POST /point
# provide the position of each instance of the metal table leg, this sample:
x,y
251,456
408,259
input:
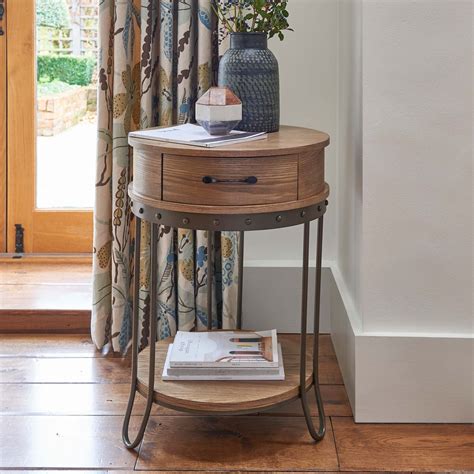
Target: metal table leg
x,y
241,280
153,331
317,435
210,276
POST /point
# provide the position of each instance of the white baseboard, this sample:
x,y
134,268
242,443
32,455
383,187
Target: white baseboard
x,y
401,378
345,326
414,379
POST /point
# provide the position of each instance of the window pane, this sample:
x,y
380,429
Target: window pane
x,y
66,32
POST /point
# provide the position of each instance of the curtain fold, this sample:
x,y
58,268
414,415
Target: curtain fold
x,y
156,58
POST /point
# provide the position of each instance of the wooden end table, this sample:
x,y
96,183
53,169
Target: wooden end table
x,y
266,184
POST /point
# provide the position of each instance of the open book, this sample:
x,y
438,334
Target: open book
x,y
195,135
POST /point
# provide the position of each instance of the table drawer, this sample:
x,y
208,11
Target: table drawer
x,y
230,181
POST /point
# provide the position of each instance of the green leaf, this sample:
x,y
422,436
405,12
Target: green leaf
x,y
70,69
52,14
266,16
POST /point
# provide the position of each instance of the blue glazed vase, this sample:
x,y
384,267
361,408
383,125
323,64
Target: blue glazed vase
x,y
250,70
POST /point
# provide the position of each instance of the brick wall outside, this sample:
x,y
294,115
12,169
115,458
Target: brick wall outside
x,y
59,112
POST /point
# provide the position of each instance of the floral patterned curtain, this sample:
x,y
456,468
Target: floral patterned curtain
x,y
156,58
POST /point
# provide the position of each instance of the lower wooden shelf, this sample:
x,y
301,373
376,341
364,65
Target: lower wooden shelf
x,y
225,396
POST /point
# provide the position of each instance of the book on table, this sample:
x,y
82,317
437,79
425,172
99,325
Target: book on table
x,y
224,355
231,373
195,135
225,349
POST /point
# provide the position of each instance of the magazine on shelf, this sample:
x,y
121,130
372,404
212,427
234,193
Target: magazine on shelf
x,y
195,135
223,371
231,373
225,349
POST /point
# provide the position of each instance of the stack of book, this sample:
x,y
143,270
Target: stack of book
x,y
224,355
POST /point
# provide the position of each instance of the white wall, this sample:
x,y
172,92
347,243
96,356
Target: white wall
x,y
308,89
417,173
391,82
404,334
346,300
349,148
409,194
308,68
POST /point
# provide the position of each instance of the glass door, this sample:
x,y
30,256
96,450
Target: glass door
x,y
51,124
3,129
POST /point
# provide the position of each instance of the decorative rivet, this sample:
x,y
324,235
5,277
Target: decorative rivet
x,y
185,220
248,221
158,216
326,202
279,218
216,222
140,210
303,213
319,208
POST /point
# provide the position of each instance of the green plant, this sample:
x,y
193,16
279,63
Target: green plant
x,y
52,14
69,69
245,16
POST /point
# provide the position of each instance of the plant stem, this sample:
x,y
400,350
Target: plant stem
x,y
267,16
221,16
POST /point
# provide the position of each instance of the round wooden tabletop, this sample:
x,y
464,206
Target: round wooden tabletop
x,y
287,140
282,174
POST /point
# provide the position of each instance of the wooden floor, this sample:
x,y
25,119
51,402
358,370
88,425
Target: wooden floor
x,y
62,405
45,286
58,296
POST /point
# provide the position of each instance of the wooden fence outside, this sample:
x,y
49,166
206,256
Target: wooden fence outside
x,y
82,36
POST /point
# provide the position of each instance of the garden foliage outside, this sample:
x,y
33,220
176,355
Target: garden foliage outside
x,y
58,71
66,63
65,68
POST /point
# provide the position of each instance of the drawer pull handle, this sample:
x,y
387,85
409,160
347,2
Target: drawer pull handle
x,y
211,180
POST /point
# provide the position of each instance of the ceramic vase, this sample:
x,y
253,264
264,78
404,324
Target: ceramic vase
x,y
250,70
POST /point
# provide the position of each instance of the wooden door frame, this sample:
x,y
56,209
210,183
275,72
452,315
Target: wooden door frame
x,y
21,90
59,233
3,134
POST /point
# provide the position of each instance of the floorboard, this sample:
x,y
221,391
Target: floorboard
x,y
70,370
76,297
336,403
21,273
62,406
329,372
405,447
56,286
124,471
53,442
234,443
48,345
111,399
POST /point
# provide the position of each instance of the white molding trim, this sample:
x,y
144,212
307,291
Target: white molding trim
x,y
414,379
401,377
389,377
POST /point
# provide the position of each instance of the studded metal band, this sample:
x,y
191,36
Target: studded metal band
x,y
243,222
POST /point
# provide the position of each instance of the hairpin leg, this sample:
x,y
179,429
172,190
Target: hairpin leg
x,y
317,435
241,280
152,341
